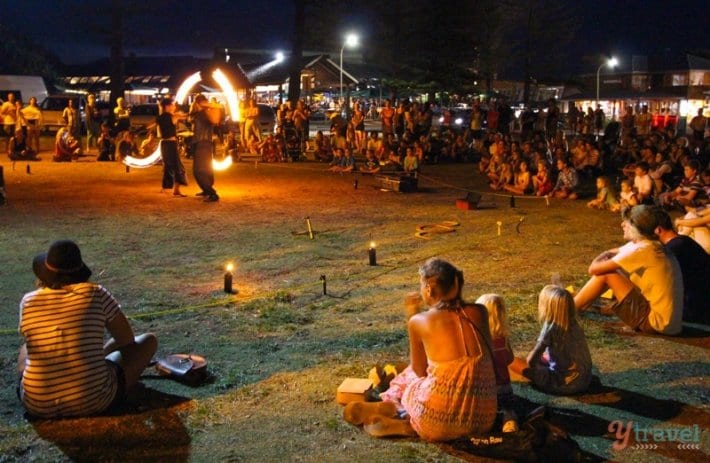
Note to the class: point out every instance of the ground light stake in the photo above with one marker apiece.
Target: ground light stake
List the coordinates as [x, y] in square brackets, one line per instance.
[322, 278]
[228, 277]
[2, 185]
[372, 253]
[499, 223]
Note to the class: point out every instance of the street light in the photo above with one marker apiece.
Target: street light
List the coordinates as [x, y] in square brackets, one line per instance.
[611, 62]
[350, 41]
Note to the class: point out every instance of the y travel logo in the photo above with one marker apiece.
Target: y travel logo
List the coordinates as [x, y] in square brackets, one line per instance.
[647, 437]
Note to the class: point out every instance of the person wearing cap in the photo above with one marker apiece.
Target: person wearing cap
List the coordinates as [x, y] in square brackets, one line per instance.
[644, 277]
[64, 366]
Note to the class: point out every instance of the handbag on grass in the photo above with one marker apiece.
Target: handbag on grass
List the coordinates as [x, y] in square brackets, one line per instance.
[537, 440]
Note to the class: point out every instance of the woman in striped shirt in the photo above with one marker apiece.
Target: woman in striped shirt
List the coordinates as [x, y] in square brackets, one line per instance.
[65, 368]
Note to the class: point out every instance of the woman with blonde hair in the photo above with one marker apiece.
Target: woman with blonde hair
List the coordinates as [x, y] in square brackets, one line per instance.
[560, 362]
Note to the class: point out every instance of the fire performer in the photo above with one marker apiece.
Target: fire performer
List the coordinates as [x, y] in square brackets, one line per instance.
[173, 170]
[205, 116]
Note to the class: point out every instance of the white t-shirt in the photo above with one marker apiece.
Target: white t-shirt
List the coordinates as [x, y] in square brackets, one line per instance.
[657, 274]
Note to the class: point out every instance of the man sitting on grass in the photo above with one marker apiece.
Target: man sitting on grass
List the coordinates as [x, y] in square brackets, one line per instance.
[18, 149]
[694, 266]
[644, 277]
[567, 181]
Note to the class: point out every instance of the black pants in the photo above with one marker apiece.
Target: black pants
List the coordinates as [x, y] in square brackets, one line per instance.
[202, 167]
[173, 170]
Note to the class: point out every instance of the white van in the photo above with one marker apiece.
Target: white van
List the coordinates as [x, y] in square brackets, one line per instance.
[24, 87]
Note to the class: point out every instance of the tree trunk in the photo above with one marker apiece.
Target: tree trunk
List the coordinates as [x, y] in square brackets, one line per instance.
[528, 51]
[117, 71]
[294, 65]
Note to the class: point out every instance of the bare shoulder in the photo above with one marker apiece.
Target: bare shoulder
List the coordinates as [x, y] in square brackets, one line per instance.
[477, 313]
[418, 323]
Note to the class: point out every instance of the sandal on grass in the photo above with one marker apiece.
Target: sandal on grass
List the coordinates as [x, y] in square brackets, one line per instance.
[358, 413]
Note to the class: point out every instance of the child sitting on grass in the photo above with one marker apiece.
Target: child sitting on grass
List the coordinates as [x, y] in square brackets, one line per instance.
[505, 178]
[542, 182]
[606, 196]
[627, 196]
[523, 181]
[502, 357]
[560, 362]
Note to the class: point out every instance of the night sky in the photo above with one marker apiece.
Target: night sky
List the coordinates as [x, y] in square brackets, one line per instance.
[621, 27]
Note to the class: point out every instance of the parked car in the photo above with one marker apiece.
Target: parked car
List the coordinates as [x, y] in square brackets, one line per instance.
[142, 116]
[267, 118]
[318, 116]
[53, 107]
[459, 118]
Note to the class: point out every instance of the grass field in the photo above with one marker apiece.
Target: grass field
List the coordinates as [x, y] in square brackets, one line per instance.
[278, 348]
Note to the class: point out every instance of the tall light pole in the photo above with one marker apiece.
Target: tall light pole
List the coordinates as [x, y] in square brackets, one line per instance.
[611, 62]
[350, 41]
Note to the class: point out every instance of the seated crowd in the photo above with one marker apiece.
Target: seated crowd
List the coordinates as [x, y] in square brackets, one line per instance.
[458, 380]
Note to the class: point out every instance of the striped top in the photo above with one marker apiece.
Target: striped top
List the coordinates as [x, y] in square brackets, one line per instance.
[66, 373]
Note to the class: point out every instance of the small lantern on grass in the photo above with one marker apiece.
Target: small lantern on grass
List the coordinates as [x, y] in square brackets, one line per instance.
[228, 278]
[372, 253]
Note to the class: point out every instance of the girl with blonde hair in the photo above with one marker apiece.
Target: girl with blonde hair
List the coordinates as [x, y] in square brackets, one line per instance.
[560, 362]
[502, 356]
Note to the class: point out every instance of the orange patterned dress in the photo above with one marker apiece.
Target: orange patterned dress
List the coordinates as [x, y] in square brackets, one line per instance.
[457, 398]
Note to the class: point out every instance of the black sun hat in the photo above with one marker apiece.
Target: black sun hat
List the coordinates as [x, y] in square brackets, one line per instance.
[61, 265]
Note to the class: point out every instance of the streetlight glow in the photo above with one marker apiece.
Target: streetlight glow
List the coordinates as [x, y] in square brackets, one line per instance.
[611, 62]
[351, 40]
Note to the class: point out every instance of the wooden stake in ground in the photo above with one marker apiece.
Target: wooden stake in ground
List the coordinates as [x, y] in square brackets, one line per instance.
[2, 186]
[310, 229]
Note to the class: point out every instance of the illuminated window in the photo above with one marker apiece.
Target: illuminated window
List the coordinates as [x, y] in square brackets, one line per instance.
[679, 80]
[698, 78]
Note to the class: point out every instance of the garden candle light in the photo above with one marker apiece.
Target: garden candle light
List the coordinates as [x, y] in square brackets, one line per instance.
[372, 253]
[228, 277]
